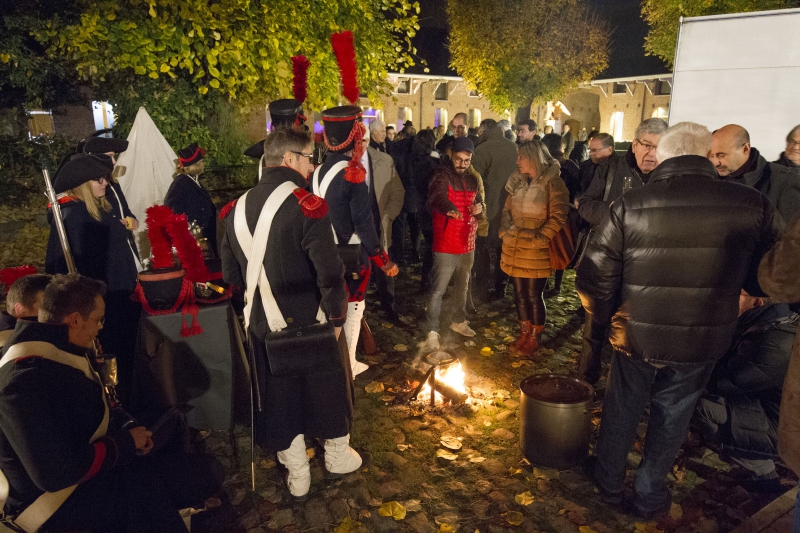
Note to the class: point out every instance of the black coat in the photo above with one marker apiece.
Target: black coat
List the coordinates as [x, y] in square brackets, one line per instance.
[350, 210]
[421, 168]
[750, 378]
[48, 412]
[668, 264]
[587, 169]
[786, 162]
[186, 196]
[592, 208]
[304, 270]
[570, 173]
[776, 182]
[100, 249]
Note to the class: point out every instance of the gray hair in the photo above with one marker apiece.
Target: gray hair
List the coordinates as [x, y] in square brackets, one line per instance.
[651, 126]
[375, 124]
[792, 133]
[505, 124]
[684, 138]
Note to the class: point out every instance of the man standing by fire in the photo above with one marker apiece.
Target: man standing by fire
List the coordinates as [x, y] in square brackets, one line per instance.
[341, 180]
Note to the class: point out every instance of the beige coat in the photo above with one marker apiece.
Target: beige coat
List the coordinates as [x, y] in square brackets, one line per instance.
[388, 190]
[532, 215]
[779, 276]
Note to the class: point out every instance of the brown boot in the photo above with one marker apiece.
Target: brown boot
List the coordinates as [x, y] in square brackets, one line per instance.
[534, 342]
[524, 335]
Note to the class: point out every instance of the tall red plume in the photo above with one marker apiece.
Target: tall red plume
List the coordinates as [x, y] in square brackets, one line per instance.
[9, 275]
[299, 84]
[346, 58]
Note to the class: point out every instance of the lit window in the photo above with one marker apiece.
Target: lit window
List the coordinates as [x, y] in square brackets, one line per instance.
[40, 123]
[103, 115]
[474, 117]
[615, 127]
[440, 117]
[403, 114]
[404, 86]
[661, 112]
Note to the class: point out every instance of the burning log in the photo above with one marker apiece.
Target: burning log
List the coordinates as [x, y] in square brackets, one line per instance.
[448, 392]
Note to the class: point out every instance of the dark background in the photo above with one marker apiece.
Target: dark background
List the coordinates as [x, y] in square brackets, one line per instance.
[623, 17]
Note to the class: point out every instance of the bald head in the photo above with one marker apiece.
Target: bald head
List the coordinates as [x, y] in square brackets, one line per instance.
[730, 149]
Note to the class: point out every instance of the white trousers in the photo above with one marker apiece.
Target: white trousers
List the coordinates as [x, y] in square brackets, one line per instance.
[352, 330]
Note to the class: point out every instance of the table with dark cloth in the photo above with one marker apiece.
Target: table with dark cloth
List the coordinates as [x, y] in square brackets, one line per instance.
[207, 372]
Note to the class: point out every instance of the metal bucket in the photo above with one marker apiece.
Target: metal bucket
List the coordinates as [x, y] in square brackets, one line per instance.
[556, 423]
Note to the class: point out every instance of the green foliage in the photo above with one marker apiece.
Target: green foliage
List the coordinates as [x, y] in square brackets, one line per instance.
[518, 51]
[28, 76]
[21, 163]
[237, 48]
[663, 16]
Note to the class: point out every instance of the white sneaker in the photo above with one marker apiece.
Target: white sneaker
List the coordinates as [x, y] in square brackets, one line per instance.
[462, 328]
[431, 343]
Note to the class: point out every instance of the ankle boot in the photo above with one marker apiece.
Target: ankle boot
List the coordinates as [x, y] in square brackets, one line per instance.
[294, 458]
[340, 458]
[524, 334]
[533, 343]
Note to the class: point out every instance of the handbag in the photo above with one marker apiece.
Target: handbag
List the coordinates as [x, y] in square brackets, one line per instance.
[290, 351]
[562, 245]
[349, 253]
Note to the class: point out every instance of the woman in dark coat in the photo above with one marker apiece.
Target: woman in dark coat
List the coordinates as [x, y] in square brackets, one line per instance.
[187, 196]
[99, 245]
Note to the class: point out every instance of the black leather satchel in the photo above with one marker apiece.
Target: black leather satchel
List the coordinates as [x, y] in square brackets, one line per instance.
[312, 349]
[350, 254]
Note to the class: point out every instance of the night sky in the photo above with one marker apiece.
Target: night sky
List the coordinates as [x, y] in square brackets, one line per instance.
[627, 40]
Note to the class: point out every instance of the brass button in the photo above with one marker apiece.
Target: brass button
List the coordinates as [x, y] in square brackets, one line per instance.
[289, 320]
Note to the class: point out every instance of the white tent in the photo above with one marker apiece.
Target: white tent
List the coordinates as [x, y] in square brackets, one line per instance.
[145, 172]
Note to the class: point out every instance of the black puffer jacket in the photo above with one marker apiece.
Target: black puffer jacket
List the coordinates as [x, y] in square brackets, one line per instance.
[750, 378]
[668, 264]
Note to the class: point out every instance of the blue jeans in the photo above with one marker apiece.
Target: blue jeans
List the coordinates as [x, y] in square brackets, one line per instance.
[672, 394]
[444, 268]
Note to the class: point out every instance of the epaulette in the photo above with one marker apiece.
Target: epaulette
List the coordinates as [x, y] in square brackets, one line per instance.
[355, 173]
[312, 205]
[225, 211]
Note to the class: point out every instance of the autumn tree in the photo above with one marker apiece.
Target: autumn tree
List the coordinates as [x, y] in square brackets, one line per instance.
[519, 51]
[663, 16]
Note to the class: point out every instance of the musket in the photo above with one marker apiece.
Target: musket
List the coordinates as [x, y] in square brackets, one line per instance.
[62, 232]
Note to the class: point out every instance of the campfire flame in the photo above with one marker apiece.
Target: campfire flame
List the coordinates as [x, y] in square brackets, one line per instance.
[452, 376]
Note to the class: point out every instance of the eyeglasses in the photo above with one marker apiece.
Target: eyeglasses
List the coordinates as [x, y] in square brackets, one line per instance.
[462, 161]
[647, 146]
[301, 154]
[101, 180]
[596, 150]
[793, 143]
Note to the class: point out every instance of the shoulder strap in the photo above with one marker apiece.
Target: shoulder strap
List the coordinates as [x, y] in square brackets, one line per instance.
[609, 180]
[37, 513]
[321, 189]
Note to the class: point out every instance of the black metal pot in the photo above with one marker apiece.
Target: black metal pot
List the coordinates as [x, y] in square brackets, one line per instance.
[555, 420]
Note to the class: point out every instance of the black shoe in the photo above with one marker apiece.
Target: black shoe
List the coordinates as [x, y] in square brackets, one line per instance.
[647, 516]
[611, 498]
[766, 484]
[550, 293]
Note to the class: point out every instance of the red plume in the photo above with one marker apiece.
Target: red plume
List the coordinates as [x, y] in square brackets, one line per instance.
[346, 57]
[299, 84]
[9, 275]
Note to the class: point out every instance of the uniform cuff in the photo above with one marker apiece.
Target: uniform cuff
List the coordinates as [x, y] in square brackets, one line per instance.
[380, 259]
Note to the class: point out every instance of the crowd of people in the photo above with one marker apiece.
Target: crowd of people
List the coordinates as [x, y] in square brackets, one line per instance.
[672, 235]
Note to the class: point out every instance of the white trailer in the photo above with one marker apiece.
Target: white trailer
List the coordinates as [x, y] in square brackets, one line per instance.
[741, 68]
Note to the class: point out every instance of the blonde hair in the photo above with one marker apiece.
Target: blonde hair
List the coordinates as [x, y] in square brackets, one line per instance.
[93, 204]
[536, 152]
[195, 169]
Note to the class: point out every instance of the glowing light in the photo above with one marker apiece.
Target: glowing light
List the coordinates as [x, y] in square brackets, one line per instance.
[452, 376]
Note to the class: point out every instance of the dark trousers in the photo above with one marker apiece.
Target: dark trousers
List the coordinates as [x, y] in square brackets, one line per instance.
[529, 300]
[594, 338]
[142, 497]
[385, 286]
[672, 394]
[486, 272]
[405, 221]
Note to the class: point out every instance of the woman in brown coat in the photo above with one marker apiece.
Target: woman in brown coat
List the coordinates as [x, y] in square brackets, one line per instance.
[535, 210]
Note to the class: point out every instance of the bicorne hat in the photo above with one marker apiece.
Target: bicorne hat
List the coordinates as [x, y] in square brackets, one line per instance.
[191, 155]
[80, 169]
[102, 145]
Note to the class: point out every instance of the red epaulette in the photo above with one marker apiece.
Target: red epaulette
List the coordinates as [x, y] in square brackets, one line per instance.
[225, 211]
[355, 173]
[312, 205]
[64, 200]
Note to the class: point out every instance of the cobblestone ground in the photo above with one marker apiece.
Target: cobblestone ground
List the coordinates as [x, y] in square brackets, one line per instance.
[460, 468]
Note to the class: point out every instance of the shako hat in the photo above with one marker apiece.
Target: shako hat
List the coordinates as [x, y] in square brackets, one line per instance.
[339, 123]
[287, 112]
[256, 151]
[80, 169]
[191, 155]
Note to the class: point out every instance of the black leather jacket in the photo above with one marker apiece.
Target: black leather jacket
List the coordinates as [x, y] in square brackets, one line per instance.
[668, 264]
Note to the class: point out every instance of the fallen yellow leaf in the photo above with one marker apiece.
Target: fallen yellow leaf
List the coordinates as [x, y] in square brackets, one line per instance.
[486, 351]
[525, 498]
[446, 528]
[586, 529]
[513, 517]
[387, 325]
[374, 387]
[393, 509]
[450, 442]
[444, 454]
[347, 526]
[400, 348]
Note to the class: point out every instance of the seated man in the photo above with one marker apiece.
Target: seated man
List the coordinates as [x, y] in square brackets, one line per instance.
[740, 408]
[57, 435]
[22, 300]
